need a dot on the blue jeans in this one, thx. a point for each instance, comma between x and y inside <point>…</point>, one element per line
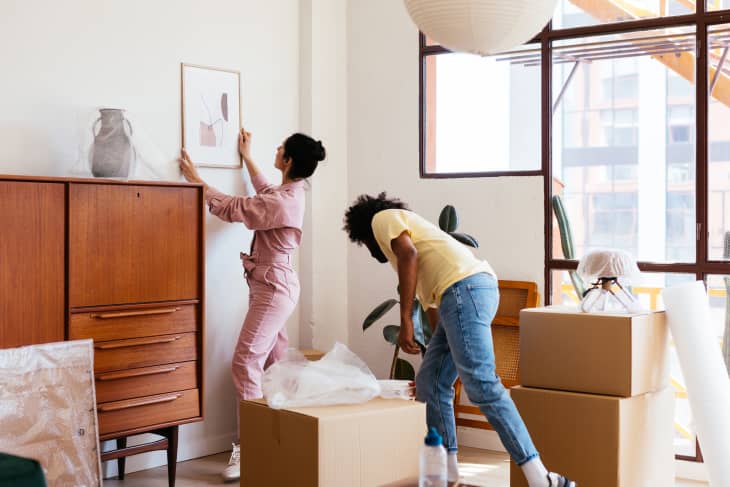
<point>462,345</point>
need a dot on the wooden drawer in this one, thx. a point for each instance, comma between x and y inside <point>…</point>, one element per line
<point>147,411</point>
<point>145,381</point>
<point>133,322</point>
<point>143,352</point>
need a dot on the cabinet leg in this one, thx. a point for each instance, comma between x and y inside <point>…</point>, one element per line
<point>121,443</point>
<point>172,455</point>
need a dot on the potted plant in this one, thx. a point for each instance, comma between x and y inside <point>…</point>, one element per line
<point>401,368</point>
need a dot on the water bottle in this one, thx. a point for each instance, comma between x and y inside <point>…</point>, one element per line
<point>433,461</point>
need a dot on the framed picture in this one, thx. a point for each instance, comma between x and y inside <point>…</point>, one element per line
<point>211,115</point>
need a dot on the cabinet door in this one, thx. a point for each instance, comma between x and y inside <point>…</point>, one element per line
<point>133,244</point>
<point>32,236</point>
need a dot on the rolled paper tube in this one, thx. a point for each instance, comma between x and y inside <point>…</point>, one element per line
<point>708,386</point>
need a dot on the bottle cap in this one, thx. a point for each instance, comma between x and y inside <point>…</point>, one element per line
<point>433,438</point>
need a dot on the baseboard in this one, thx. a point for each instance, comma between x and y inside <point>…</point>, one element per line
<point>479,438</point>
<point>691,471</point>
<point>188,448</point>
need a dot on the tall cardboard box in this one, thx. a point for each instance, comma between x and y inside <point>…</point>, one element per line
<point>359,445</point>
<point>599,353</point>
<point>600,441</point>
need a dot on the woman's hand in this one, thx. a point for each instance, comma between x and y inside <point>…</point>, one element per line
<point>244,144</point>
<point>406,340</point>
<point>188,169</point>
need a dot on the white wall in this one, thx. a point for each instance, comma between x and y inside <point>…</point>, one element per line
<point>504,214</point>
<point>62,59</point>
<point>323,113</point>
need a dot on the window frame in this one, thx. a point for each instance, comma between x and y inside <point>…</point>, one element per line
<point>702,19</point>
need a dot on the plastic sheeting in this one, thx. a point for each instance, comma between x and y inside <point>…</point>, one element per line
<point>608,263</point>
<point>48,410</point>
<point>708,386</point>
<point>148,161</point>
<point>340,377</point>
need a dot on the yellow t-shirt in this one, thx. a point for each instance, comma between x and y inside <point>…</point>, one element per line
<point>442,260</point>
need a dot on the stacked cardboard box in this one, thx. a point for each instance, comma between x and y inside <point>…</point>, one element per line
<point>595,396</point>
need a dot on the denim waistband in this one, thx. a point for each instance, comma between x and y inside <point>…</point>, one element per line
<point>481,279</point>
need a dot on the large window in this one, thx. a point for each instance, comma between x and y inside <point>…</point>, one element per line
<point>627,120</point>
<point>473,130</point>
<point>632,143</point>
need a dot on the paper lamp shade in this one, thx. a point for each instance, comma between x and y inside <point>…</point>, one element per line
<point>480,26</point>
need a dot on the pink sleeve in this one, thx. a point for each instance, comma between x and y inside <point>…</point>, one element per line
<point>259,212</point>
<point>260,182</point>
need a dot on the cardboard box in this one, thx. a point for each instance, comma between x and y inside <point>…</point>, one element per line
<point>359,445</point>
<point>621,355</point>
<point>600,441</point>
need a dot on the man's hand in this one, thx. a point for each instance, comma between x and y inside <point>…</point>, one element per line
<point>406,341</point>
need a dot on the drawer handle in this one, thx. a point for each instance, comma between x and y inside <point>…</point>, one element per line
<point>125,314</point>
<point>135,343</point>
<point>125,374</point>
<point>105,408</point>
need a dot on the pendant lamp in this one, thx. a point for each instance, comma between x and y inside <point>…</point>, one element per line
<point>480,26</point>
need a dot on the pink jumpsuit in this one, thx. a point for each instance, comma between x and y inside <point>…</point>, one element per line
<point>276,213</point>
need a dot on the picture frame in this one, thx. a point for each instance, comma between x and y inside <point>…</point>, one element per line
<point>211,115</point>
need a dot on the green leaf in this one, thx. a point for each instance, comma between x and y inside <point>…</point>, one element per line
<point>448,220</point>
<point>566,242</point>
<point>418,330</point>
<point>404,370</point>
<point>566,235</point>
<point>427,331</point>
<point>466,239</point>
<point>390,333</point>
<point>378,313</point>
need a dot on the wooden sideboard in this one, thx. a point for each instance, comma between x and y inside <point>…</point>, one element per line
<point>121,263</point>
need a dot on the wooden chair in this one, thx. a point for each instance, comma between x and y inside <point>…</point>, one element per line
<point>513,297</point>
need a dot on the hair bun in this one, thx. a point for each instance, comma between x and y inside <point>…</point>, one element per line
<point>321,153</point>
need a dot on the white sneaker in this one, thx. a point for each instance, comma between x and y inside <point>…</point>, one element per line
<point>233,470</point>
<point>452,468</point>
<point>556,480</point>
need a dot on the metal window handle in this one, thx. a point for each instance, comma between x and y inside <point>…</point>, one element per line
<point>126,374</point>
<point>105,408</point>
<point>136,342</point>
<point>125,314</point>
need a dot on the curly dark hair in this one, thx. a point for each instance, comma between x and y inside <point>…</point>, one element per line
<point>359,216</point>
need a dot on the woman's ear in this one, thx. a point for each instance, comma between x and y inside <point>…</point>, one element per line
<point>287,162</point>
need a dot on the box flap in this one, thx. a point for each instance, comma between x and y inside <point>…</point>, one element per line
<point>375,406</point>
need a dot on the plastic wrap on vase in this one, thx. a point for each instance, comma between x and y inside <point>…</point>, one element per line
<point>340,377</point>
<point>708,386</point>
<point>48,410</point>
<point>112,143</point>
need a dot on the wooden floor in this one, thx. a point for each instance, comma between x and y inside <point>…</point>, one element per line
<point>477,467</point>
